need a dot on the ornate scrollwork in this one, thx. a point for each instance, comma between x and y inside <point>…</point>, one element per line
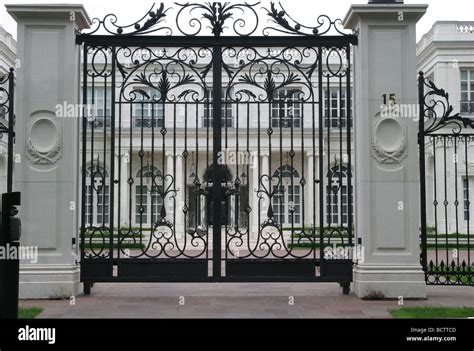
<point>288,25</point>
<point>175,76</point>
<point>149,23</point>
<point>4,101</point>
<point>217,15</point>
<point>438,111</point>
<point>191,19</point>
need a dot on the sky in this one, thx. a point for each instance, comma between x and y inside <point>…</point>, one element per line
<point>305,11</point>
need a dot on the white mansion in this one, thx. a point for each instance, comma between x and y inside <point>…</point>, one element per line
<point>445,54</point>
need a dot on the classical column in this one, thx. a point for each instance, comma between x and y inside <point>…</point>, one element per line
<point>48,145</point>
<point>170,172</point>
<point>266,183</point>
<point>124,188</point>
<point>253,187</point>
<point>310,205</point>
<point>386,151</point>
<point>180,201</point>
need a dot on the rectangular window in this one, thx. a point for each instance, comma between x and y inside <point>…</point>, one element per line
<point>227,119</point>
<point>88,205</point>
<point>141,194</point>
<point>335,108</point>
<point>286,109</point>
<point>99,106</point>
<point>103,206</point>
<point>148,110</point>
<point>467,190</point>
<point>467,91</point>
<point>337,206</point>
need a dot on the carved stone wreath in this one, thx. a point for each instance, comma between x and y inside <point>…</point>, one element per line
<point>38,157</point>
<point>389,157</point>
<point>44,145</point>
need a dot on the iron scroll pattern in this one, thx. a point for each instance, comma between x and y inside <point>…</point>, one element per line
<point>158,78</point>
<point>255,77</point>
<point>446,189</point>
<point>438,113</point>
<point>5,100</point>
<point>216,18</point>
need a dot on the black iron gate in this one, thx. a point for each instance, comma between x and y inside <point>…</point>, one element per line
<point>446,140</point>
<point>216,158</point>
<point>9,226</point>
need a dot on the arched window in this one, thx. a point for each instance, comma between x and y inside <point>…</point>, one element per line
<point>337,202</point>
<point>286,203</point>
<point>148,195</point>
<point>97,196</point>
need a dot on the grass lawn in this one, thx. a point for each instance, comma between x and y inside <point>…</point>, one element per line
<point>432,312</point>
<point>29,313</point>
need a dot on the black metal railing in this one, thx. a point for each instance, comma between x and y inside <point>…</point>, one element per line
<point>446,141</point>
<point>9,228</point>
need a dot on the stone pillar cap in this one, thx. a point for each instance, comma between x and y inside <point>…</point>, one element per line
<point>18,11</point>
<point>377,11</point>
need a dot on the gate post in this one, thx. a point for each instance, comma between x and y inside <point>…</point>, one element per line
<point>47,163</point>
<point>386,150</point>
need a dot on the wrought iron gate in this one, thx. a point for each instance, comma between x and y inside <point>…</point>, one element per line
<point>216,158</point>
<point>446,140</point>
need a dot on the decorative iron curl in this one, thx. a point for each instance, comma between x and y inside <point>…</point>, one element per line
<point>438,111</point>
<point>5,98</point>
<point>147,24</point>
<point>217,14</point>
<point>290,26</point>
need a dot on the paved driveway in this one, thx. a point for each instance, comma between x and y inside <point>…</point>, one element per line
<point>207,300</point>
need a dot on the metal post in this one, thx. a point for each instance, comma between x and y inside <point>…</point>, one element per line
<point>217,171</point>
<point>11,133</point>
<point>421,143</point>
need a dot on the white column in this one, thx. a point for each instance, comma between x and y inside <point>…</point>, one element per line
<point>386,151</point>
<point>169,170</point>
<point>265,171</point>
<point>48,175</point>
<point>253,187</point>
<point>180,200</point>
<point>310,205</point>
<point>124,188</point>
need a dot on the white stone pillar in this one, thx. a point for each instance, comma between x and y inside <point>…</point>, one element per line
<point>253,187</point>
<point>310,205</point>
<point>169,171</point>
<point>124,189</point>
<point>180,200</point>
<point>386,151</point>
<point>48,175</point>
<point>264,204</point>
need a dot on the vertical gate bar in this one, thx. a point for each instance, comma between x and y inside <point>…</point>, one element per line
<point>11,132</point>
<point>175,188</point>
<point>456,203</point>
<point>435,193</point>
<point>341,160</point>
<point>445,202</point>
<point>216,148</point>
<point>112,160</point>
<point>421,143</point>
<point>321,161</point>
<point>350,207</point>
<point>120,180</point>
<point>247,204</point>
<point>84,153</point>
<point>466,138</point>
